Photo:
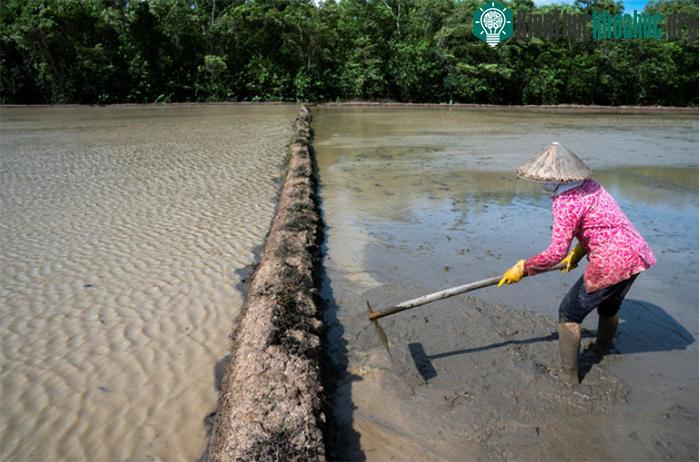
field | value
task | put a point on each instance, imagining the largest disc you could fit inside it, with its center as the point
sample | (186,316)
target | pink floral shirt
(615,249)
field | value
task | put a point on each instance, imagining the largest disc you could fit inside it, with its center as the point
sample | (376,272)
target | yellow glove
(573,258)
(514,274)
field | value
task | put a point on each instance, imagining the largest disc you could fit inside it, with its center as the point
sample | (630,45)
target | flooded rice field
(416,200)
(124,234)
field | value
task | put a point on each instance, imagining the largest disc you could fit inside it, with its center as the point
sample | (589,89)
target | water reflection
(396,190)
(395,179)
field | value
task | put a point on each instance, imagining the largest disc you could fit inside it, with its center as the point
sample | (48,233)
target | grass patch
(278,446)
(294,279)
(302,171)
(285,249)
(287,316)
(300,207)
(301,192)
(298,223)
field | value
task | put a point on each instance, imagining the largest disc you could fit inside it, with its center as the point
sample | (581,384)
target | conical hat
(555,164)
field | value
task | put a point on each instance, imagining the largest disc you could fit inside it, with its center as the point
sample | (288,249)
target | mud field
(124,234)
(420,199)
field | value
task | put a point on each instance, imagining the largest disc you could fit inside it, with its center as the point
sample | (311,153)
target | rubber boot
(607,327)
(569,341)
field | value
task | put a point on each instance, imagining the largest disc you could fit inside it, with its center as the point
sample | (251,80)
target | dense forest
(114,51)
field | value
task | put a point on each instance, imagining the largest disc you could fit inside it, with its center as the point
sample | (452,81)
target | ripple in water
(121,231)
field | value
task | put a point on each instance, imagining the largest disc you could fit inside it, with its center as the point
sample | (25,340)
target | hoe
(425,299)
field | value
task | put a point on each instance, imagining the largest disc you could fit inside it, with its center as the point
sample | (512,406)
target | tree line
(118,51)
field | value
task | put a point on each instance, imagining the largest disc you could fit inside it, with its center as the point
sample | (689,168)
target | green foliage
(109,51)
(212,78)
(362,74)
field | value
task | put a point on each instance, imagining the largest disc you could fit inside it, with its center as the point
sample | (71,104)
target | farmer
(583,209)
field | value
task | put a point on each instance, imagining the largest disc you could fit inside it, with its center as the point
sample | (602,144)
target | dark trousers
(578,303)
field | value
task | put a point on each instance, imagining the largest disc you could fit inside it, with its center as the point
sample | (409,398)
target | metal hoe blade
(380,331)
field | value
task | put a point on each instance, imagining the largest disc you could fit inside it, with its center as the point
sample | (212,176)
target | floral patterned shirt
(615,249)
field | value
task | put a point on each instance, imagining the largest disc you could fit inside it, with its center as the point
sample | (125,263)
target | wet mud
(485,387)
(417,200)
(124,232)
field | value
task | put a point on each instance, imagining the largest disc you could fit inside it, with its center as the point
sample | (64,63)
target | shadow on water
(422,361)
(644,328)
(342,441)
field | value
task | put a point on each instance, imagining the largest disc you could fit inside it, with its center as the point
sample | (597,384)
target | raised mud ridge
(583,108)
(270,405)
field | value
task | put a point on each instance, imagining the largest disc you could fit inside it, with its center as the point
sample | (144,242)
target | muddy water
(122,231)
(416,200)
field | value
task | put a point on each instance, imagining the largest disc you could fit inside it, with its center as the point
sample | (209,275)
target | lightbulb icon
(493,21)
